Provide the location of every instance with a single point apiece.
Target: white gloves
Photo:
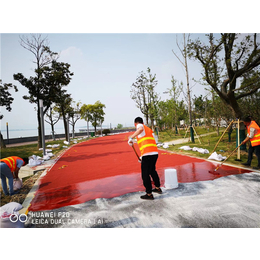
(131, 141)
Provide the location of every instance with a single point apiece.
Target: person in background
(149, 156)
(253, 136)
(10, 167)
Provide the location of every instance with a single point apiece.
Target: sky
(104, 66)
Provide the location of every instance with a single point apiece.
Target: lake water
(16, 133)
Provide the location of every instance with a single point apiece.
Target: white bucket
(171, 179)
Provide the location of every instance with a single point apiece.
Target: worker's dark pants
(148, 171)
(251, 150)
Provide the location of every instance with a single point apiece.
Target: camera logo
(14, 218)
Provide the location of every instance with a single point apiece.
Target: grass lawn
(207, 142)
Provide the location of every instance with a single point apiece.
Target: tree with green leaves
(6, 100)
(74, 115)
(93, 114)
(43, 56)
(63, 106)
(46, 85)
(144, 95)
(119, 126)
(251, 106)
(86, 114)
(97, 114)
(170, 112)
(199, 107)
(225, 60)
(53, 118)
(174, 93)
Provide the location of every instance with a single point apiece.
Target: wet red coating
(107, 167)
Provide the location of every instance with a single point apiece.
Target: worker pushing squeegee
(149, 156)
(253, 136)
(227, 158)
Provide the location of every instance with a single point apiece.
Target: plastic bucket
(171, 179)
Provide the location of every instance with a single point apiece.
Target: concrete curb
(27, 202)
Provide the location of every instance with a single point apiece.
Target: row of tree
(48, 84)
(230, 67)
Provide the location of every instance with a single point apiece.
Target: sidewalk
(186, 140)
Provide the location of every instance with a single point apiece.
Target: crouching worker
(149, 156)
(10, 167)
(253, 136)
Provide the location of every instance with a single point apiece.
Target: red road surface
(107, 167)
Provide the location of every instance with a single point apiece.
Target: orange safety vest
(11, 162)
(147, 143)
(256, 139)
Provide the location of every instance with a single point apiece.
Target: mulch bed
(20, 197)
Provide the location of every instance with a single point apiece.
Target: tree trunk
(2, 144)
(65, 123)
(39, 127)
(147, 119)
(88, 127)
(52, 131)
(73, 131)
(235, 107)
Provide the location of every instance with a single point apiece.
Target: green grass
(169, 134)
(208, 142)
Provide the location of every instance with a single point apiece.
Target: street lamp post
(7, 132)
(42, 126)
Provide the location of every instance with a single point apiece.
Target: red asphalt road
(107, 167)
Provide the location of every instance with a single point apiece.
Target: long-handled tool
(222, 136)
(136, 153)
(227, 158)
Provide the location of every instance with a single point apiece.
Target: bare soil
(21, 195)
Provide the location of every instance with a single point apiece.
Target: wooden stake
(196, 133)
(238, 141)
(222, 136)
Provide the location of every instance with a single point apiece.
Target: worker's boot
(157, 190)
(246, 164)
(147, 197)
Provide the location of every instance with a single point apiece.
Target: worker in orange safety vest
(149, 156)
(253, 136)
(10, 167)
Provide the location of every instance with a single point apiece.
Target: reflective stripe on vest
(255, 141)
(147, 144)
(11, 163)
